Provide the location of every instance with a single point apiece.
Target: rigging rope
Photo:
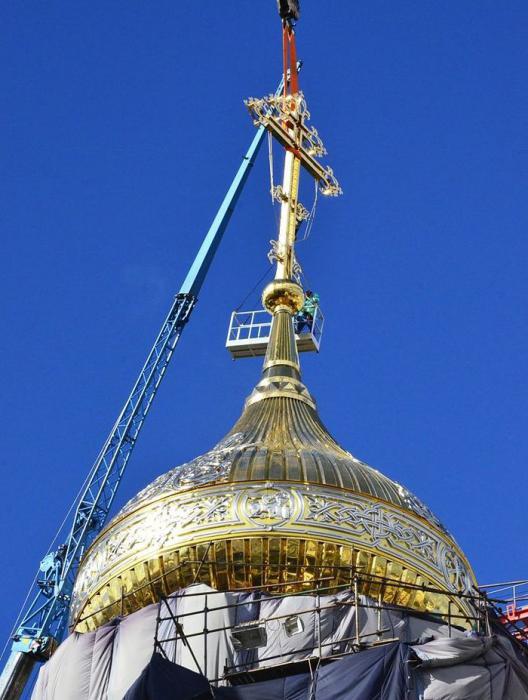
(311, 218)
(272, 182)
(266, 272)
(305, 282)
(270, 158)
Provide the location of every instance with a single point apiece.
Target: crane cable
(49, 549)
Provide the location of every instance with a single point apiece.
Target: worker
(304, 318)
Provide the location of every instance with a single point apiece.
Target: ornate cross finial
(285, 117)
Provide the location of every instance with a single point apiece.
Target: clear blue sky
(122, 124)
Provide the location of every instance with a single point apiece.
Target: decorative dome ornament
(277, 502)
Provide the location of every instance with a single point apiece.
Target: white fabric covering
(133, 644)
(191, 604)
(99, 665)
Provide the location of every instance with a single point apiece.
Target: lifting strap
(289, 57)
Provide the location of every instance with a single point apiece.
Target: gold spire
(282, 348)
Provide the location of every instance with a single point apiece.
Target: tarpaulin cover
(374, 674)
(379, 673)
(163, 680)
(104, 665)
(471, 669)
(321, 635)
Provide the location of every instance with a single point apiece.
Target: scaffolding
(512, 597)
(197, 634)
(201, 641)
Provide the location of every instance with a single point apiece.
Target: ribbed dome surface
(282, 439)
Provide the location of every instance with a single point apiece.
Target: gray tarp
(103, 665)
(471, 669)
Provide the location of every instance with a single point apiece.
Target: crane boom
(44, 620)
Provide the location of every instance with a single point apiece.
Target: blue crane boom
(44, 620)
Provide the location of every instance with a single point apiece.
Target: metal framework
(486, 606)
(44, 620)
(513, 596)
(244, 669)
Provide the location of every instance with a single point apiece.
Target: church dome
(275, 502)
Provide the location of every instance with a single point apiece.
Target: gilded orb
(283, 294)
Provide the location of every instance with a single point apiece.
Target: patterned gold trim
(264, 512)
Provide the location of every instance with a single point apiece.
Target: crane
(43, 621)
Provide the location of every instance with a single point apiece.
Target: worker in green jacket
(304, 318)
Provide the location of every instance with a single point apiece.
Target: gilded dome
(277, 501)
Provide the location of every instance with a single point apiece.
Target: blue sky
(122, 125)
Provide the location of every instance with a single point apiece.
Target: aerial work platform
(249, 332)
